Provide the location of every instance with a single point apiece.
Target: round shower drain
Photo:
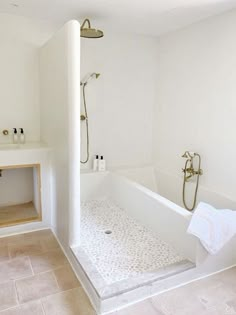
(108, 232)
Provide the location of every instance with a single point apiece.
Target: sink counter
(30, 155)
(22, 154)
(26, 146)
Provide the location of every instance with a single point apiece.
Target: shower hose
(87, 125)
(197, 183)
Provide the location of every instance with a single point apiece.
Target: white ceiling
(148, 17)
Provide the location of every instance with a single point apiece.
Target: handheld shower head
(94, 75)
(185, 155)
(189, 154)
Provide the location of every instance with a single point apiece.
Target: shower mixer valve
(190, 172)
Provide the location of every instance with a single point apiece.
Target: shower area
(134, 216)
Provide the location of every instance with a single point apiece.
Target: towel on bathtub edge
(213, 227)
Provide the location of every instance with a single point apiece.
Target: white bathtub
(170, 187)
(144, 195)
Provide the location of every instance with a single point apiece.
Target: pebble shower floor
(118, 246)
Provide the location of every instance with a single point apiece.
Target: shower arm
(86, 20)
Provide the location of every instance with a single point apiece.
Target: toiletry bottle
(15, 135)
(22, 135)
(95, 163)
(102, 164)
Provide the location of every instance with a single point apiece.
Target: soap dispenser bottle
(95, 163)
(22, 136)
(102, 164)
(15, 135)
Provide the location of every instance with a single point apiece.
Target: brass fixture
(5, 132)
(190, 172)
(93, 75)
(88, 32)
(82, 117)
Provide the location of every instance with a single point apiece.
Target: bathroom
(163, 96)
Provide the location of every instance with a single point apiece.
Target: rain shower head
(89, 77)
(90, 32)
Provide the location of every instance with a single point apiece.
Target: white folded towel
(213, 227)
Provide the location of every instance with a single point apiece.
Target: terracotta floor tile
(25, 249)
(48, 261)
(228, 277)
(4, 254)
(215, 295)
(72, 302)
(32, 308)
(8, 297)
(221, 309)
(38, 235)
(36, 287)
(232, 305)
(15, 269)
(66, 278)
(50, 243)
(11, 239)
(181, 301)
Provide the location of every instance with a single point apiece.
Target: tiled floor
(36, 279)
(215, 295)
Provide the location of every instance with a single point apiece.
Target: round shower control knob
(5, 132)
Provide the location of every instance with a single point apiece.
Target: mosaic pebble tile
(129, 250)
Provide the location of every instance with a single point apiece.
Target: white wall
(19, 76)
(60, 79)
(196, 99)
(16, 186)
(120, 102)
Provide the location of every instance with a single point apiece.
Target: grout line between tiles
(8, 253)
(60, 292)
(17, 294)
(56, 280)
(31, 266)
(53, 269)
(40, 273)
(8, 309)
(44, 311)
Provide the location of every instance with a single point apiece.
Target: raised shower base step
(145, 280)
(122, 261)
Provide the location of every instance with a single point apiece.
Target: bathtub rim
(163, 200)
